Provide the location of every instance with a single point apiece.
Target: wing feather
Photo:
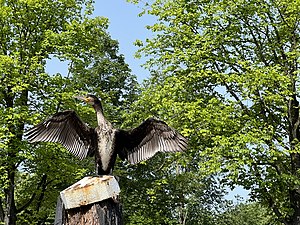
(67, 129)
(146, 140)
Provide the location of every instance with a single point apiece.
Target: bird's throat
(103, 123)
(99, 113)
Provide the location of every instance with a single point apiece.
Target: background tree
(160, 192)
(31, 33)
(245, 214)
(226, 72)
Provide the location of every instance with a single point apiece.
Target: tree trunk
(10, 216)
(295, 198)
(107, 212)
(294, 121)
(91, 201)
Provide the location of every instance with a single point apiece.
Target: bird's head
(90, 99)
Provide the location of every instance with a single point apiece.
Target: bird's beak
(85, 99)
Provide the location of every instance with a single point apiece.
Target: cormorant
(104, 141)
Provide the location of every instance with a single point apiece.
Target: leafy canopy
(226, 73)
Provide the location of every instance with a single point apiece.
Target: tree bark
(10, 216)
(294, 121)
(106, 212)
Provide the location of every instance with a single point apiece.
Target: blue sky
(126, 27)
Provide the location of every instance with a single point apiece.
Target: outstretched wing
(146, 140)
(65, 128)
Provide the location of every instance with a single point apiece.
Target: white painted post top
(90, 190)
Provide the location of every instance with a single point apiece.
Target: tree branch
(42, 194)
(1, 211)
(269, 198)
(33, 196)
(232, 92)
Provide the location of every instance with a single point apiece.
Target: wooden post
(90, 201)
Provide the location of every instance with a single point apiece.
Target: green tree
(168, 189)
(162, 191)
(226, 72)
(31, 33)
(245, 214)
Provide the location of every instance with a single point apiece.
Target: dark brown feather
(65, 128)
(146, 140)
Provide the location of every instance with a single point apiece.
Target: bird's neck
(100, 116)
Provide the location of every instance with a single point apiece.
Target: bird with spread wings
(105, 141)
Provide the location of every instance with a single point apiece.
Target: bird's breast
(106, 147)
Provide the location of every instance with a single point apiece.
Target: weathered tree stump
(90, 201)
